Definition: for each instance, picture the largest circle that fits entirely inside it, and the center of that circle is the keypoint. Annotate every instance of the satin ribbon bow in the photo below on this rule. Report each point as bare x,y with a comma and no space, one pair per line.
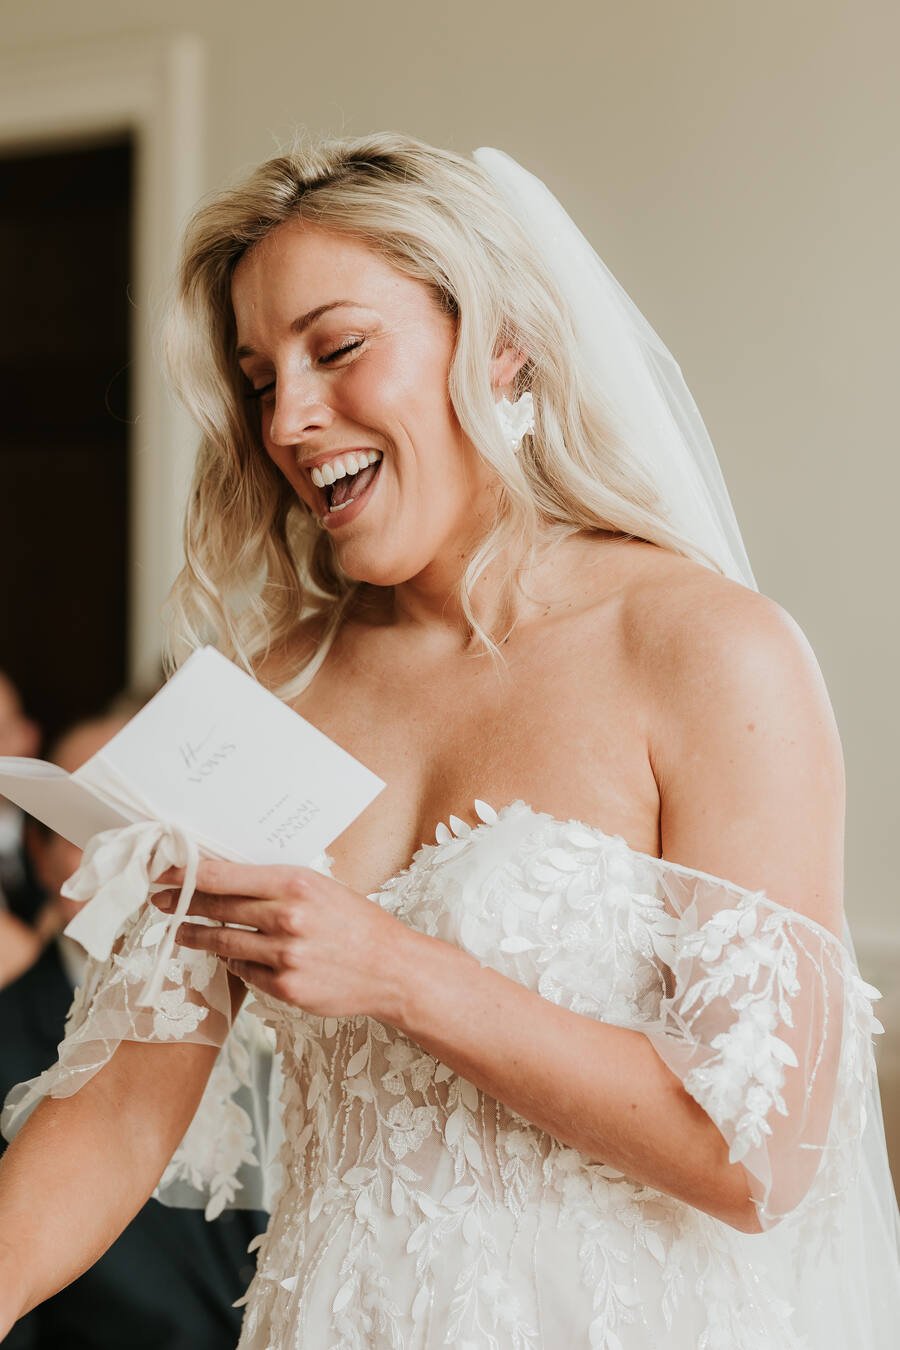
117,876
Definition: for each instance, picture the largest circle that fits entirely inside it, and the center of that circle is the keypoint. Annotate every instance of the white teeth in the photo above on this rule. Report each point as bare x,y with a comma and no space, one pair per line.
341,468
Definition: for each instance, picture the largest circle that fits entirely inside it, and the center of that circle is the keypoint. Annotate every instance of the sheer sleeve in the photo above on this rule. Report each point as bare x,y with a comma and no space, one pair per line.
760,1011
227,1157
768,1024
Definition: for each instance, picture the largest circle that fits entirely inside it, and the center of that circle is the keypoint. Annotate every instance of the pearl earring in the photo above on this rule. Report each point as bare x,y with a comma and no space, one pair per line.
516,419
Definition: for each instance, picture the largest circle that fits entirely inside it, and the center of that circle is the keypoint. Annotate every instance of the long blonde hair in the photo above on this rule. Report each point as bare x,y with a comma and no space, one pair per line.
256,562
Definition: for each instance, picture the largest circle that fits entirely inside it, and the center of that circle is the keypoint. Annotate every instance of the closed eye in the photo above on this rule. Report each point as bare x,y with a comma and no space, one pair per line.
345,347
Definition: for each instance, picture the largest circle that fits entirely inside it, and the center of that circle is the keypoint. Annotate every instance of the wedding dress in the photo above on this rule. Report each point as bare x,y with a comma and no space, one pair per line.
411,1211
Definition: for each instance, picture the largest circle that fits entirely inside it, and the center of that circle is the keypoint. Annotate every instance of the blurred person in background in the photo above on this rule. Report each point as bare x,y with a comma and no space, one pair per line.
25,923
169,1281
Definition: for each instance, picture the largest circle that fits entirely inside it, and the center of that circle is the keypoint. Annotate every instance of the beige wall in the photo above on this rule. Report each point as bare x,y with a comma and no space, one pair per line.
736,164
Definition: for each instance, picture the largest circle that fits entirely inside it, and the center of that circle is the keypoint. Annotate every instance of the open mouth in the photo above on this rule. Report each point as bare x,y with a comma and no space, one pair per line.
343,481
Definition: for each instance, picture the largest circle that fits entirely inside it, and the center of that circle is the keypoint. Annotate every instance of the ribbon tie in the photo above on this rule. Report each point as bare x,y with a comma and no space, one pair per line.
117,876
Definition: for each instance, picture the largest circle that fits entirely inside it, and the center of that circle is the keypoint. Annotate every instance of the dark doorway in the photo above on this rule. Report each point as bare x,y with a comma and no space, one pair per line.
65,266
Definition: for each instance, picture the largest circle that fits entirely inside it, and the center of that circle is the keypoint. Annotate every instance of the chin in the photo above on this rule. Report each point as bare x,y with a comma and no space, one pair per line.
378,571
376,575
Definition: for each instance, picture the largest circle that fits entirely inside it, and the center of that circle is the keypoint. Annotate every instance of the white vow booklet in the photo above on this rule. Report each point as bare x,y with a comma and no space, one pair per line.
217,754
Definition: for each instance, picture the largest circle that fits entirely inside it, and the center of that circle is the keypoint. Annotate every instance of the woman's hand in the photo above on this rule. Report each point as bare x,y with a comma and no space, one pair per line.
305,938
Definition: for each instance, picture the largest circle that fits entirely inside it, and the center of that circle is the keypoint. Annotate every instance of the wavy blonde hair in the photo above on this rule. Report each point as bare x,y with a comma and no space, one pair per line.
257,564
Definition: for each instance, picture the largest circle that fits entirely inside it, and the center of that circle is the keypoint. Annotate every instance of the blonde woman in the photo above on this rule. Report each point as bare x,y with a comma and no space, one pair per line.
594,1068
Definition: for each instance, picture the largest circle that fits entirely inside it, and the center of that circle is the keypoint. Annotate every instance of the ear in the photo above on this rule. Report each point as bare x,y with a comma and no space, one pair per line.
505,366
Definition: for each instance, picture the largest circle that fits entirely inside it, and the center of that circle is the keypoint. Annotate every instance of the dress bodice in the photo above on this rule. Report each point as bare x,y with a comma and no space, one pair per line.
410,1194
411,1211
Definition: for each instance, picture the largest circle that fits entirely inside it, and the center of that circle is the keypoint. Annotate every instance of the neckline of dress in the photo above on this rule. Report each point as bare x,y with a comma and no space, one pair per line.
491,818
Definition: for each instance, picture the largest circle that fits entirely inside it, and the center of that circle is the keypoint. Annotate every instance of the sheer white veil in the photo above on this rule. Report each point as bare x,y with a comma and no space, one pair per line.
636,376
632,371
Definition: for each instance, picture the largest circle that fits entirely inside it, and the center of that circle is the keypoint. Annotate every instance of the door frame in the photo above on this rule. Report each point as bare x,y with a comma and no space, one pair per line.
152,86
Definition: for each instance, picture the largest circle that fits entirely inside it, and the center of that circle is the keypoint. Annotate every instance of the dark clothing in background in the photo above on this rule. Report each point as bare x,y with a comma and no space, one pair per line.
169,1281
20,891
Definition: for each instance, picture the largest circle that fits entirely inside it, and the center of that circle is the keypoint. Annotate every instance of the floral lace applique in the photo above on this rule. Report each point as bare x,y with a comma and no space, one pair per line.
220,1142
415,1212
418,1212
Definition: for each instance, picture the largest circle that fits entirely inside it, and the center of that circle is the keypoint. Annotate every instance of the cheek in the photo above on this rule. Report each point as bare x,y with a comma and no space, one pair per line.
380,387
407,367
405,394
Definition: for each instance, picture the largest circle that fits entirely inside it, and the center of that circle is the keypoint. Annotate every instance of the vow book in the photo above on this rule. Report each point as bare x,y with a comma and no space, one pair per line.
216,754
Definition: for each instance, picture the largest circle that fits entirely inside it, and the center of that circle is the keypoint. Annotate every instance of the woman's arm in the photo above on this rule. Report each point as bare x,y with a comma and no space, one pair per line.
82,1166
751,782
600,1089
750,772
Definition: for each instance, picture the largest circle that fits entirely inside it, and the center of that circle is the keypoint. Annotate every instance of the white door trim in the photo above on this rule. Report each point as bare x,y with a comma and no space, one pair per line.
153,86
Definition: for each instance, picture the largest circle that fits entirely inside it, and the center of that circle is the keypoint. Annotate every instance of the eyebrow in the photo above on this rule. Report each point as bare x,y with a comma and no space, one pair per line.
299,325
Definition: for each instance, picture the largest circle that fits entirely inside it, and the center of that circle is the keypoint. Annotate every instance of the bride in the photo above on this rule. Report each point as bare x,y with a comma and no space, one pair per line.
593,1068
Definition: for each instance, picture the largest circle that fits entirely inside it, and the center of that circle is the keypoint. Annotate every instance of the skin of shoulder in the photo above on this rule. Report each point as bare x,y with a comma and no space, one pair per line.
743,740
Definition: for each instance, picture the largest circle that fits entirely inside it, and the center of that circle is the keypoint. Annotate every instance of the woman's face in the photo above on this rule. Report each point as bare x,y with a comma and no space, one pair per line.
348,356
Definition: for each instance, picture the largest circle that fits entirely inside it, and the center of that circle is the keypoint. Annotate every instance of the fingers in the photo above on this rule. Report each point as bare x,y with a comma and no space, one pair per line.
232,944
261,977
264,882
265,915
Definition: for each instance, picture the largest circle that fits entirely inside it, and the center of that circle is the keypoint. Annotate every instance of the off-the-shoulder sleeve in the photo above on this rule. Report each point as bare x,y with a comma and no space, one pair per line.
769,1025
226,1158
760,1011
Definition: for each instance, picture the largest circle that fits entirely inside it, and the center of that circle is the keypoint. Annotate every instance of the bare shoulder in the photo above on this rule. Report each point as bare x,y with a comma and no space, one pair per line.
685,624
743,740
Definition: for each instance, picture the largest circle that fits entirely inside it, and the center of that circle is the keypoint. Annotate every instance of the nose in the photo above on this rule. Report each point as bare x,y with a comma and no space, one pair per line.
300,408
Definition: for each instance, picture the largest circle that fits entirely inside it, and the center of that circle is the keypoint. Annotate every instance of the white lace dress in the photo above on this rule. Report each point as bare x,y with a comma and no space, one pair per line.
411,1211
